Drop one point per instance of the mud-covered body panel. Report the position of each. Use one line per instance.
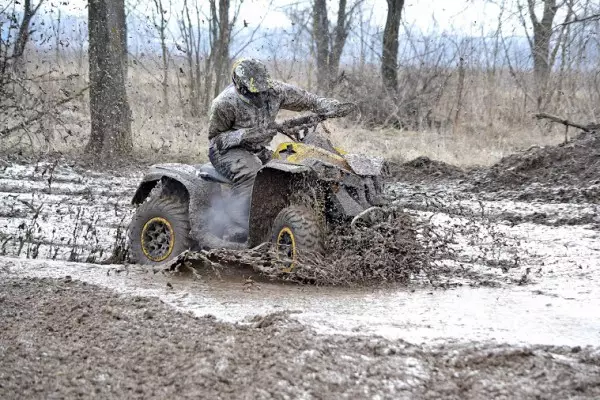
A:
(364, 165)
(186, 174)
(273, 188)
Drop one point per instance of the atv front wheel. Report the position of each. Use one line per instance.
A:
(296, 232)
(159, 231)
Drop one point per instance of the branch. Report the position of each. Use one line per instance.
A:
(40, 114)
(531, 8)
(524, 23)
(584, 19)
(566, 122)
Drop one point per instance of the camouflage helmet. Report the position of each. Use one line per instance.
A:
(250, 76)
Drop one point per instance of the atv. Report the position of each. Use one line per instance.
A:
(305, 190)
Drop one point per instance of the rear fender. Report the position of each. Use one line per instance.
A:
(273, 188)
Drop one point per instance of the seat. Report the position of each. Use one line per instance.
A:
(208, 172)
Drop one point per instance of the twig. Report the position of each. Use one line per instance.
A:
(584, 19)
(40, 114)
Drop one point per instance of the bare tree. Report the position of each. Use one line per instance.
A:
(56, 29)
(192, 36)
(543, 53)
(161, 28)
(109, 108)
(220, 37)
(329, 42)
(29, 11)
(389, 56)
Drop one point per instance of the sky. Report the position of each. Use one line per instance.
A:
(459, 16)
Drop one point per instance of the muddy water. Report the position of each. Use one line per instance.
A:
(543, 313)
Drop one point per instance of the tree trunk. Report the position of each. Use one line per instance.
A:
(221, 51)
(542, 32)
(321, 38)
(389, 57)
(339, 40)
(23, 33)
(57, 44)
(109, 109)
(162, 27)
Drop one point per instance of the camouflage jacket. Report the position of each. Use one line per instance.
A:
(231, 112)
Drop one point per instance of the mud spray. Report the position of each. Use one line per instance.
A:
(400, 247)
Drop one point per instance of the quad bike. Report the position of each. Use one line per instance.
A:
(307, 188)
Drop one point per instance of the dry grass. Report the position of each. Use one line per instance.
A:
(493, 122)
(460, 149)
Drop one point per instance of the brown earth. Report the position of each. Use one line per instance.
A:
(422, 170)
(569, 172)
(65, 339)
(574, 163)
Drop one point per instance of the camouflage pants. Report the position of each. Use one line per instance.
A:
(240, 166)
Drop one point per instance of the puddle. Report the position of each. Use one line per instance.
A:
(531, 314)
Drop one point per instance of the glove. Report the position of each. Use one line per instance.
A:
(328, 107)
(332, 108)
(255, 139)
(256, 136)
(227, 140)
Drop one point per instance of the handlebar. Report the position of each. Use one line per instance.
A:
(294, 127)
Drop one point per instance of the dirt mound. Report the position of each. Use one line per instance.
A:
(422, 169)
(576, 163)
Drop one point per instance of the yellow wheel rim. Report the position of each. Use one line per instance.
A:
(158, 239)
(287, 252)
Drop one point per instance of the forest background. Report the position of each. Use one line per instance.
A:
(458, 81)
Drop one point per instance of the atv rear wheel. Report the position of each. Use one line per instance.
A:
(296, 232)
(159, 231)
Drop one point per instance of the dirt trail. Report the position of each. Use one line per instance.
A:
(62, 338)
(61, 212)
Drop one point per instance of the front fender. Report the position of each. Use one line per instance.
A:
(185, 174)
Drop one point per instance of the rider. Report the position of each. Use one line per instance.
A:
(239, 127)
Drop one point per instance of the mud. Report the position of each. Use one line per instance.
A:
(509, 312)
(383, 251)
(567, 172)
(422, 169)
(63, 338)
(545, 310)
(61, 211)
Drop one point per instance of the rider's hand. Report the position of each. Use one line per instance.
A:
(251, 138)
(227, 140)
(258, 136)
(332, 108)
(328, 107)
